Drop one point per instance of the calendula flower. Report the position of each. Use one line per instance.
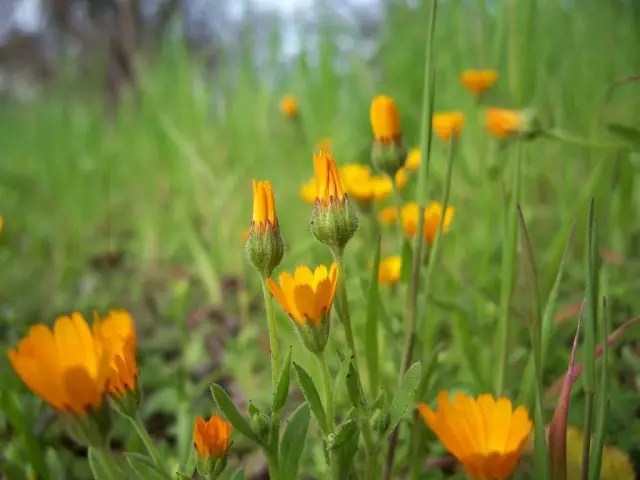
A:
(485, 435)
(67, 367)
(307, 298)
(211, 438)
(308, 191)
(328, 182)
(448, 124)
(385, 120)
(359, 184)
(432, 219)
(401, 178)
(289, 106)
(388, 215)
(478, 81)
(501, 122)
(264, 246)
(117, 333)
(389, 270)
(413, 159)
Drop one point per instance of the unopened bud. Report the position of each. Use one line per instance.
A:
(264, 246)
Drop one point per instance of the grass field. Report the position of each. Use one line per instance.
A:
(147, 213)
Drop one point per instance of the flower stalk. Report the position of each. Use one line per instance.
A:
(155, 455)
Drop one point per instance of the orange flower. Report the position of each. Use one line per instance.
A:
(501, 122)
(432, 218)
(117, 333)
(211, 439)
(328, 184)
(289, 106)
(388, 215)
(484, 434)
(389, 270)
(478, 81)
(412, 161)
(264, 206)
(385, 120)
(67, 366)
(306, 296)
(448, 124)
(401, 178)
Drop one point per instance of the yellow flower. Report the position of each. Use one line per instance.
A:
(501, 122)
(478, 81)
(484, 434)
(264, 207)
(385, 120)
(289, 106)
(117, 333)
(211, 438)
(359, 184)
(413, 159)
(390, 269)
(308, 191)
(388, 215)
(401, 178)
(448, 124)
(67, 366)
(328, 183)
(432, 218)
(306, 296)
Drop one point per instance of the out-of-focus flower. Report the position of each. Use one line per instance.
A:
(448, 124)
(117, 333)
(401, 179)
(211, 438)
(485, 435)
(289, 106)
(385, 120)
(389, 270)
(388, 215)
(307, 298)
(67, 366)
(478, 81)
(501, 122)
(308, 191)
(432, 218)
(264, 246)
(413, 159)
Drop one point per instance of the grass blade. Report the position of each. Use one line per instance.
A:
(371, 325)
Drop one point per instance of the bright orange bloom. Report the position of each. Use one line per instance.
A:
(385, 120)
(448, 124)
(484, 434)
(289, 106)
(67, 366)
(328, 183)
(388, 215)
(117, 333)
(389, 270)
(211, 439)
(501, 122)
(413, 159)
(264, 206)
(306, 296)
(432, 218)
(478, 81)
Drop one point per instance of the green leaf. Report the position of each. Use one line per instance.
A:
(344, 434)
(630, 134)
(238, 474)
(226, 406)
(427, 372)
(354, 387)
(292, 443)
(407, 260)
(282, 389)
(347, 453)
(405, 395)
(371, 324)
(144, 467)
(341, 377)
(97, 470)
(311, 396)
(602, 403)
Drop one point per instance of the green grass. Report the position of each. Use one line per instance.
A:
(168, 184)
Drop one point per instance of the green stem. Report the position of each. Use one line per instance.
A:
(333, 458)
(148, 443)
(107, 462)
(344, 306)
(397, 199)
(588, 426)
(584, 142)
(509, 251)
(372, 468)
(272, 457)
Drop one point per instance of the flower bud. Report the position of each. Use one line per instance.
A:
(388, 153)
(264, 247)
(344, 433)
(333, 220)
(502, 123)
(260, 423)
(211, 441)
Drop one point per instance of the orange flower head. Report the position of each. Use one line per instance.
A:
(413, 159)
(390, 270)
(401, 178)
(385, 120)
(432, 219)
(65, 366)
(264, 206)
(328, 183)
(264, 246)
(388, 215)
(478, 81)
(486, 435)
(501, 122)
(211, 438)
(448, 125)
(289, 106)
(117, 333)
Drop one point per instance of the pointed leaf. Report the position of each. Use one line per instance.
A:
(405, 395)
(227, 407)
(427, 372)
(144, 467)
(97, 470)
(347, 453)
(282, 390)
(371, 324)
(293, 441)
(354, 387)
(311, 396)
(238, 474)
(602, 403)
(344, 433)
